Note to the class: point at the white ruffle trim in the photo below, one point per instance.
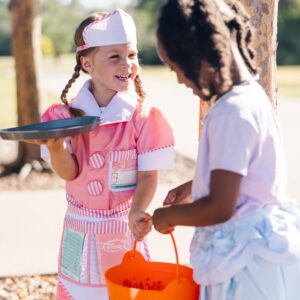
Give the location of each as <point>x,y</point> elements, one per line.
<point>219,252</point>
<point>159,159</point>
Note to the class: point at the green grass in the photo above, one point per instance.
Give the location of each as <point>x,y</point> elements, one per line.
<point>287,82</point>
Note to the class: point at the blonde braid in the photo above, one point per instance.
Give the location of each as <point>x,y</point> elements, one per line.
<point>142,95</point>
<point>75,112</point>
<point>139,88</point>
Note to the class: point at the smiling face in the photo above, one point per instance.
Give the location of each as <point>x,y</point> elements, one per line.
<point>112,68</point>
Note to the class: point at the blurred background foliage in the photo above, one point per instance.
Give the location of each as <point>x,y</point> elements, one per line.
<point>59,21</point>
<point>288,32</point>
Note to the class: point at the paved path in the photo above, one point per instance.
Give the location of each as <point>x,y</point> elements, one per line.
<point>29,242</point>
<point>289,117</point>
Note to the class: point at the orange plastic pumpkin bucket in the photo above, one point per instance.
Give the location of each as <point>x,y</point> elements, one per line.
<point>138,279</point>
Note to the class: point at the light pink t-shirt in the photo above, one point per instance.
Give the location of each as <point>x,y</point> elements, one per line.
<point>241,134</point>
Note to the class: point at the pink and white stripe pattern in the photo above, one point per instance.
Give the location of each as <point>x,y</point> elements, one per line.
<point>96,161</point>
<point>94,188</point>
<point>120,210</point>
<point>97,227</point>
<point>97,221</point>
<point>123,155</point>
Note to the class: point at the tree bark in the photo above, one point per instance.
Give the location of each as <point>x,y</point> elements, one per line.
<point>26,31</point>
<point>264,15</point>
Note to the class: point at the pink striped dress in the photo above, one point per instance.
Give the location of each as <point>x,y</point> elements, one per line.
<point>96,234</point>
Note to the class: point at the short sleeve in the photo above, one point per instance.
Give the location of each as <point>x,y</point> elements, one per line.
<point>155,142</point>
<point>55,112</point>
<point>232,141</point>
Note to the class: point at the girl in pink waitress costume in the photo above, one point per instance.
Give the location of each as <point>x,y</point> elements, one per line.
<point>111,172</point>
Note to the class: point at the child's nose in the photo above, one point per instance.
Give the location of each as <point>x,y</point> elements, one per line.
<point>126,63</point>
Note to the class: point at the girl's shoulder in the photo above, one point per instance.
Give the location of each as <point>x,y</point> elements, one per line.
<point>55,112</point>
<point>149,116</point>
<point>245,102</point>
<point>153,128</point>
<point>154,137</point>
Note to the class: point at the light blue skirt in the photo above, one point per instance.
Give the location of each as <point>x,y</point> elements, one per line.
<point>256,257</point>
<point>259,280</point>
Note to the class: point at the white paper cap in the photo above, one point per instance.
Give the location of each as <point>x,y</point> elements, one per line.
<point>114,28</point>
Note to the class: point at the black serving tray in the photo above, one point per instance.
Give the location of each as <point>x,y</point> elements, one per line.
<point>51,129</point>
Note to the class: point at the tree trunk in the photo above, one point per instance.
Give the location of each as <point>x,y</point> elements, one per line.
<point>264,15</point>
<point>26,31</point>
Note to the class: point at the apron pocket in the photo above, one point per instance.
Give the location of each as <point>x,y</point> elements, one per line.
<point>71,255</point>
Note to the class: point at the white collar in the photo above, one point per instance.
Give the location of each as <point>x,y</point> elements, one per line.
<point>119,109</point>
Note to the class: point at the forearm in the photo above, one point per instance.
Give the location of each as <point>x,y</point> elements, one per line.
<point>63,163</point>
<point>217,207</point>
<point>146,187</point>
<point>202,212</point>
<point>145,190</point>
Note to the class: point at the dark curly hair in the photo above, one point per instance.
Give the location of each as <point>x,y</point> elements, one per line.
<point>78,40</point>
<point>192,31</point>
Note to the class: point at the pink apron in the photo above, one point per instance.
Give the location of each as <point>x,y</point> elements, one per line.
<point>92,241</point>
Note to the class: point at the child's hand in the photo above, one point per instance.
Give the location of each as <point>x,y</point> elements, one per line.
<point>180,194</point>
<point>137,225</point>
<point>160,220</point>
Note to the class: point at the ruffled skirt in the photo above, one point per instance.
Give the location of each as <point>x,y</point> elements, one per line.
<point>259,280</point>
<point>249,257</point>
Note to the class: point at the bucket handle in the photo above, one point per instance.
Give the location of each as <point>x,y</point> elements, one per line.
<point>174,244</point>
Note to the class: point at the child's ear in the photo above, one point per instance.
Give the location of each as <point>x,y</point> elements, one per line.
<point>86,64</point>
